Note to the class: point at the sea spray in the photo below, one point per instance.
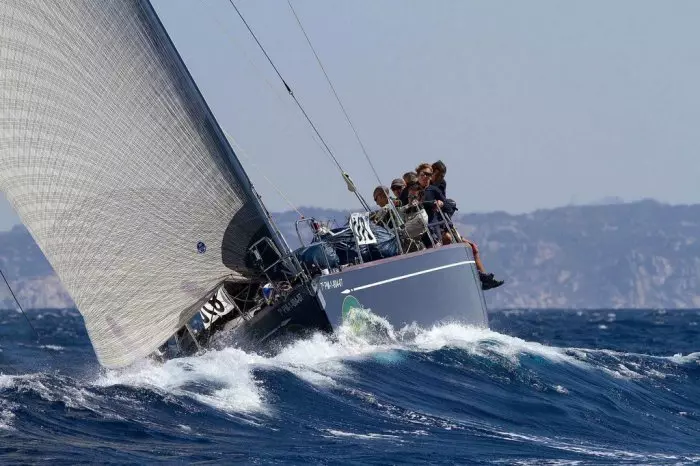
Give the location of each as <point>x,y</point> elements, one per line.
<point>534,389</point>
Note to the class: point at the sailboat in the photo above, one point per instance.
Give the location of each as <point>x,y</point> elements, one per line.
<point>117,167</point>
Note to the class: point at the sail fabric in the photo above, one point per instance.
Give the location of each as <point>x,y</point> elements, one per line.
<point>115,164</point>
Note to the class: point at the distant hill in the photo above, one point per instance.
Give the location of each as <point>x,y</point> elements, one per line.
<point>626,255</point>
<point>635,255</point>
<point>29,273</point>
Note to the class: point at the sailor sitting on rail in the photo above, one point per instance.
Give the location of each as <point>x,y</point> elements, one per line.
<point>382,197</point>
<point>437,210</point>
<point>409,178</point>
<point>397,187</point>
<point>383,215</point>
<point>415,216</point>
<point>438,191</point>
<point>410,217</point>
<point>450,207</point>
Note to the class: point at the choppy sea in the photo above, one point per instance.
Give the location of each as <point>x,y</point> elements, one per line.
<point>540,387</point>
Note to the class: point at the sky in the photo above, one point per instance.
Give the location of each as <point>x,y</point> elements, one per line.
<point>531,104</point>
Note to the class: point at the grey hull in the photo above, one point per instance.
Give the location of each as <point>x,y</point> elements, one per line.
<point>427,287</point>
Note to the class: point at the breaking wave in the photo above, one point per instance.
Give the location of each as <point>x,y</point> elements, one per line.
<point>371,389</point>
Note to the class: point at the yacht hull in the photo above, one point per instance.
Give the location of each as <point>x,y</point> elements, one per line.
<point>426,288</point>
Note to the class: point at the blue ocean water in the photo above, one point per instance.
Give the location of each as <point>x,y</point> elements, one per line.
<point>541,387</point>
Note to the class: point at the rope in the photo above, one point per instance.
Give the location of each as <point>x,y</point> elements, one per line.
<point>239,148</point>
<point>257,70</point>
<point>36,334</point>
<point>337,98</point>
<point>342,107</point>
<point>301,108</point>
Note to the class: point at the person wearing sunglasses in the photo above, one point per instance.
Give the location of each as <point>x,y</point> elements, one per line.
<point>433,198</point>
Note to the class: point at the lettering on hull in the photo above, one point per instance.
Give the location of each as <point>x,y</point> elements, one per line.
<point>332,284</point>
<point>290,305</point>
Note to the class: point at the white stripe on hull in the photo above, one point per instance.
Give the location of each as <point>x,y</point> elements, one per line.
<point>402,277</point>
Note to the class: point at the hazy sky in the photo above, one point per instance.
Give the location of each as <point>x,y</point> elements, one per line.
<point>530,104</point>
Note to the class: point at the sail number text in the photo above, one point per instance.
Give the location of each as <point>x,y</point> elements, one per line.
<point>332,284</point>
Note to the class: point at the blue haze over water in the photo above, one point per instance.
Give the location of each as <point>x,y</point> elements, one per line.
<point>542,387</point>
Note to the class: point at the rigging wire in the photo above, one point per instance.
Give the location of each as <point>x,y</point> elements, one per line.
<point>36,334</point>
<point>337,98</point>
<point>232,140</point>
<point>342,107</point>
<point>257,70</point>
<point>19,306</point>
<point>346,177</point>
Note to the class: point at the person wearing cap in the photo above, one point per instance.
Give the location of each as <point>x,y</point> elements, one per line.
<point>397,187</point>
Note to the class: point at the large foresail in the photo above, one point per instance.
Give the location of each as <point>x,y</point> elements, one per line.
<point>118,169</point>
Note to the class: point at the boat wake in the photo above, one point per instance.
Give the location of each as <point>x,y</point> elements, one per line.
<point>372,384</point>
<point>328,361</point>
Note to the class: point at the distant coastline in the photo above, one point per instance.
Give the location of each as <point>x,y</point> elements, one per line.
<point>635,255</point>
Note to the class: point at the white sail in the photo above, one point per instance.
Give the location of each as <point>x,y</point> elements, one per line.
<point>115,164</point>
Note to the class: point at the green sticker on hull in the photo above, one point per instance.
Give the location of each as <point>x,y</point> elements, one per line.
<point>349,303</point>
<point>363,323</point>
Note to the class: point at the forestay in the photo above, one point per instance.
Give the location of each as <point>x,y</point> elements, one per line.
<point>116,166</point>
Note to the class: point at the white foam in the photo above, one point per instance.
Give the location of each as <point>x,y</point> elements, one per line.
<point>623,372</point>
<point>540,462</point>
<point>63,390</point>
<point>624,366</point>
<point>687,359</point>
<point>6,417</point>
<point>318,360</point>
<point>229,369</point>
<point>419,432</point>
<point>52,347</point>
<point>486,342</point>
<point>368,436</point>
<point>576,446</point>
<point>224,379</point>
<point>7,381</point>
<point>6,407</point>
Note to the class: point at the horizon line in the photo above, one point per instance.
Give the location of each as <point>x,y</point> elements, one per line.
<point>619,202</point>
